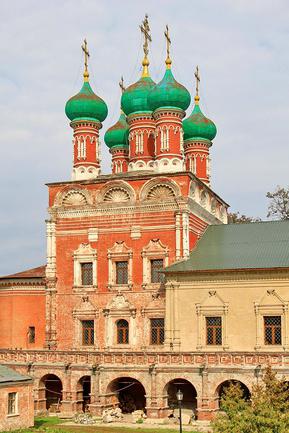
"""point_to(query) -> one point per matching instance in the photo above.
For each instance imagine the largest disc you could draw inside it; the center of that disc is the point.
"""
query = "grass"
(55, 425)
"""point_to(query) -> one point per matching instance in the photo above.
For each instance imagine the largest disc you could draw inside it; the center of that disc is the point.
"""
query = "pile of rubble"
(85, 418)
(112, 415)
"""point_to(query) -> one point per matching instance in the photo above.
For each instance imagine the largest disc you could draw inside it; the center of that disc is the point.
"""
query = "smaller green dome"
(117, 135)
(197, 126)
(169, 93)
(134, 98)
(86, 105)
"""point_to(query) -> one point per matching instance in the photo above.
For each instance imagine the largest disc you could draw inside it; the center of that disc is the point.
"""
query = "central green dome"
(86, 105)
(117, 135)
(134, 98)
(169, 93)
(198, 126)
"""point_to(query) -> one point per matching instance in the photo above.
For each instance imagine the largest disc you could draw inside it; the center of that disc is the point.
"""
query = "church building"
(146, 289)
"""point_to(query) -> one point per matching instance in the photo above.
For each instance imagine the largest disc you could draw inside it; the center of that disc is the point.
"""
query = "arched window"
(122, 331)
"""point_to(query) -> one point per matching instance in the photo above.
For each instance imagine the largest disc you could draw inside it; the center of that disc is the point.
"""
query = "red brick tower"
(86, 112)
(169, 100)
(134, 103)
(199, 131)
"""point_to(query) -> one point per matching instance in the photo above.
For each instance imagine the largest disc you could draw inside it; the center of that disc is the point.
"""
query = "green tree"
(266, 412)
(237, 218)
(279, 203)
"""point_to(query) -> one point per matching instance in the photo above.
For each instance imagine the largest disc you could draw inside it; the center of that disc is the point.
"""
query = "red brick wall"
(19, 310)
(25, 416)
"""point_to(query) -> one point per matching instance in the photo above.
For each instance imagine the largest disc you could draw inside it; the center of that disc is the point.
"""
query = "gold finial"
(167, 36)
(86, 56)
(121, 84)
(145, 29)
(198, 79)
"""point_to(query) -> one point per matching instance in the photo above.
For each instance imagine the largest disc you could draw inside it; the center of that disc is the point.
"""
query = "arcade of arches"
(153, 393)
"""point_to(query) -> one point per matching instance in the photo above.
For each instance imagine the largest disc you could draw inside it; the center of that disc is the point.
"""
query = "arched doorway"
(52, 386)
(189, 395)
(224, 385)
(127, 393)
(83, 393)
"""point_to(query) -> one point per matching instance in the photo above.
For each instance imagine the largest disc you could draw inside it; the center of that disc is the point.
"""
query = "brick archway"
(83, 389)
(127, 393)
(50, 392)
(189, 394)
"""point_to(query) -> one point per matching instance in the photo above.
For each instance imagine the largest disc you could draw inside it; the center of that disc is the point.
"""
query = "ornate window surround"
(153, 250)
(118, 253)
(84, 311)
(119, 308)
(84, 254)
(271, 304)
(212, 306)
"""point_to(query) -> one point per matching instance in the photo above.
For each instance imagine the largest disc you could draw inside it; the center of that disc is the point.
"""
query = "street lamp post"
(180, 396)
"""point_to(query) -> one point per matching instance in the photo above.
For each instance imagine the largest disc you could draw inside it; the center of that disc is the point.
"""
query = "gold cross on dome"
(121, 84)
(145, 29)
(198, 79)
(86, 56)
(167, 36)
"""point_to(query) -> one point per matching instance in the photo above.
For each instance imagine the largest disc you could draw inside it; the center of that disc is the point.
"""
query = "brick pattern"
(24, 416)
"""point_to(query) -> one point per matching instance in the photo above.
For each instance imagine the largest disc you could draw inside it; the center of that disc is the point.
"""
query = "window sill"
(11, 415)
(85, 289)
(271, 348)
(121, 287)
(213, 348)
(152, 286)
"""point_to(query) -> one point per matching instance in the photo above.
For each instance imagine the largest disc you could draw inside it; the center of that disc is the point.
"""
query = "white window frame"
(119, 253)
(16, 413)
(84, 254)
(271, 305)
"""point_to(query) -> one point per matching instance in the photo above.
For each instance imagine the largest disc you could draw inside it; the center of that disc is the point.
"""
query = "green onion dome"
(169, 93)
(134, 98)
(86, 105)
(197, 126)
(117, 135)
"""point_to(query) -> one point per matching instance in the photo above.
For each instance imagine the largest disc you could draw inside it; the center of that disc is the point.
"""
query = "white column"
(186, 250)
(51, 249)
(178, 236)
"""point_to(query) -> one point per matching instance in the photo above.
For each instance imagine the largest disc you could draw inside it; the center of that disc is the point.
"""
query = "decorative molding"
(271, 304)
(85, 253)
(212, 305)
(153, 250)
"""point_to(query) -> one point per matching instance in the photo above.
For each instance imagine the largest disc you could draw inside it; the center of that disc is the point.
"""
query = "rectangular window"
(86, 274)
(214, 330)
(87, 332)
(157, 331)
(121, 272)
(156, 266)
(272, 330)
(31, 334)
(12, 403)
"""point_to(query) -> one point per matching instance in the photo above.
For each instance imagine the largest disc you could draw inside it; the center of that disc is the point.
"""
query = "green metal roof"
(8, 375)
(257, 245)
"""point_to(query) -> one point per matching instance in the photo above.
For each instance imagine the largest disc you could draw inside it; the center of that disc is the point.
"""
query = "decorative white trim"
(213, 305)
(271, 304)
(85, 310)
(153, 250)
(85, 172)
(84, 254)
(119, 252)
(51, 249)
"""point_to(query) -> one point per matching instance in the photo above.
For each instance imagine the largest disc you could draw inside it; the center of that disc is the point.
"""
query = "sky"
(241, 47)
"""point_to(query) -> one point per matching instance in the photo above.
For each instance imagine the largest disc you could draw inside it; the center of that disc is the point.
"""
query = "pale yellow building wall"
(240, 298)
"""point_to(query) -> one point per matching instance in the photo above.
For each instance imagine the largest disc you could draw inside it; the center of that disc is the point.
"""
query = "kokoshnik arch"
(99, 324)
